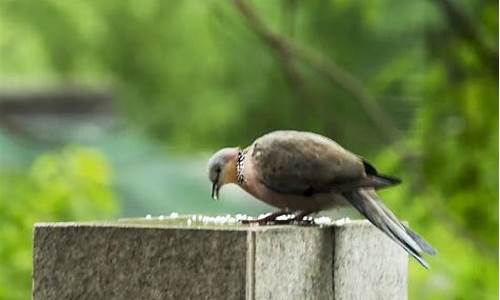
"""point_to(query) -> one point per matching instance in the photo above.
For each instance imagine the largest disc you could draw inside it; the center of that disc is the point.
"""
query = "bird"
(302, 173)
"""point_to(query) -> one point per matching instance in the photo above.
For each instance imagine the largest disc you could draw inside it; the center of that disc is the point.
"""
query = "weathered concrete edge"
(162, 225)
(250, 266)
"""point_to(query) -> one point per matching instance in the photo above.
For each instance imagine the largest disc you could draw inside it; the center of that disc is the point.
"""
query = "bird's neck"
(240, 167)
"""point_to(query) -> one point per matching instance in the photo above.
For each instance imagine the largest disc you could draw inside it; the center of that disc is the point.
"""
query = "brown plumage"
(303, 173)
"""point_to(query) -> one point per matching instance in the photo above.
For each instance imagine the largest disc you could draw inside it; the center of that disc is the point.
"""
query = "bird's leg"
(299, 218)
(267, 219)
(271, 218)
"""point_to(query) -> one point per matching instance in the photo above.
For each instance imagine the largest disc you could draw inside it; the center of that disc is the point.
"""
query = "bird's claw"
(292, 221)
(305, 222)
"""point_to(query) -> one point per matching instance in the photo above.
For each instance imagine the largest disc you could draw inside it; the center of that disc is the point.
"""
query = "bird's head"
(222, 169)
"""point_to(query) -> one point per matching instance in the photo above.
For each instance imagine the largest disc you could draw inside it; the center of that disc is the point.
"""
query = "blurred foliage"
(197, 76)
(72, 184)
(194, 74)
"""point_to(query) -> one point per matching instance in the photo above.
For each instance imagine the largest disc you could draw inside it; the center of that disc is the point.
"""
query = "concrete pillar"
(162, 260)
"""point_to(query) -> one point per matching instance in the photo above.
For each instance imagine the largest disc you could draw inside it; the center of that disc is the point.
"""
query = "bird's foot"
(267, 220)
(263, 221)
(304, 222)
(301, 219)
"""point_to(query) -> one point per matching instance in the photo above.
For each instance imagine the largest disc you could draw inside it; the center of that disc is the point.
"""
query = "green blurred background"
(111, 108)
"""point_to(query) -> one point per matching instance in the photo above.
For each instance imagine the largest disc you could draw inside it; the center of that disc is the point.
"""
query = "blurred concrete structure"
(22, 107)
(157, 260)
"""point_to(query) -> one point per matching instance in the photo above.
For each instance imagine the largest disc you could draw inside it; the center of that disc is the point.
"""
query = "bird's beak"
(215, 191)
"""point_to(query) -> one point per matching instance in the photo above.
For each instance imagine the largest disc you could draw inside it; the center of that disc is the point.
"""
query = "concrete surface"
(158, 260)
(367, 264)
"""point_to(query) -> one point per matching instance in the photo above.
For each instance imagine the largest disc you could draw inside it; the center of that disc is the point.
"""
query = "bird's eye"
(217, 170)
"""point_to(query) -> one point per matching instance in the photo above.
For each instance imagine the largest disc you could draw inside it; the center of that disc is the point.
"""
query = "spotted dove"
(303, 173)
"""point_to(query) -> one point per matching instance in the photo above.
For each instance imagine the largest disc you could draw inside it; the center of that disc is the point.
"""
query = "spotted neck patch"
(240, 167)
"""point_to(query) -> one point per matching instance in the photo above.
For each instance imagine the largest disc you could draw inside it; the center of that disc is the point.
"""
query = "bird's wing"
(304, 163)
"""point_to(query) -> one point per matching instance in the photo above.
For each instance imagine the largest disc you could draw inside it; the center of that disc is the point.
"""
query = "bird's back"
(297, 162)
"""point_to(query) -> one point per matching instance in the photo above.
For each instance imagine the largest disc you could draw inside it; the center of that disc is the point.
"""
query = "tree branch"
(329, 69)
(471, 30)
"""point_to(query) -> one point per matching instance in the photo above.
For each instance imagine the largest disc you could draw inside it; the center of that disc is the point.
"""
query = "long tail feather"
(367, 203)
(424, 245)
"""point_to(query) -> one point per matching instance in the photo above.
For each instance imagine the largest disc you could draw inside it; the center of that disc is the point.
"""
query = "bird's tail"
(367, 203)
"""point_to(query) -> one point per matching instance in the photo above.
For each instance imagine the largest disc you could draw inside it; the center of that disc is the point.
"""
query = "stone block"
(161, 260)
